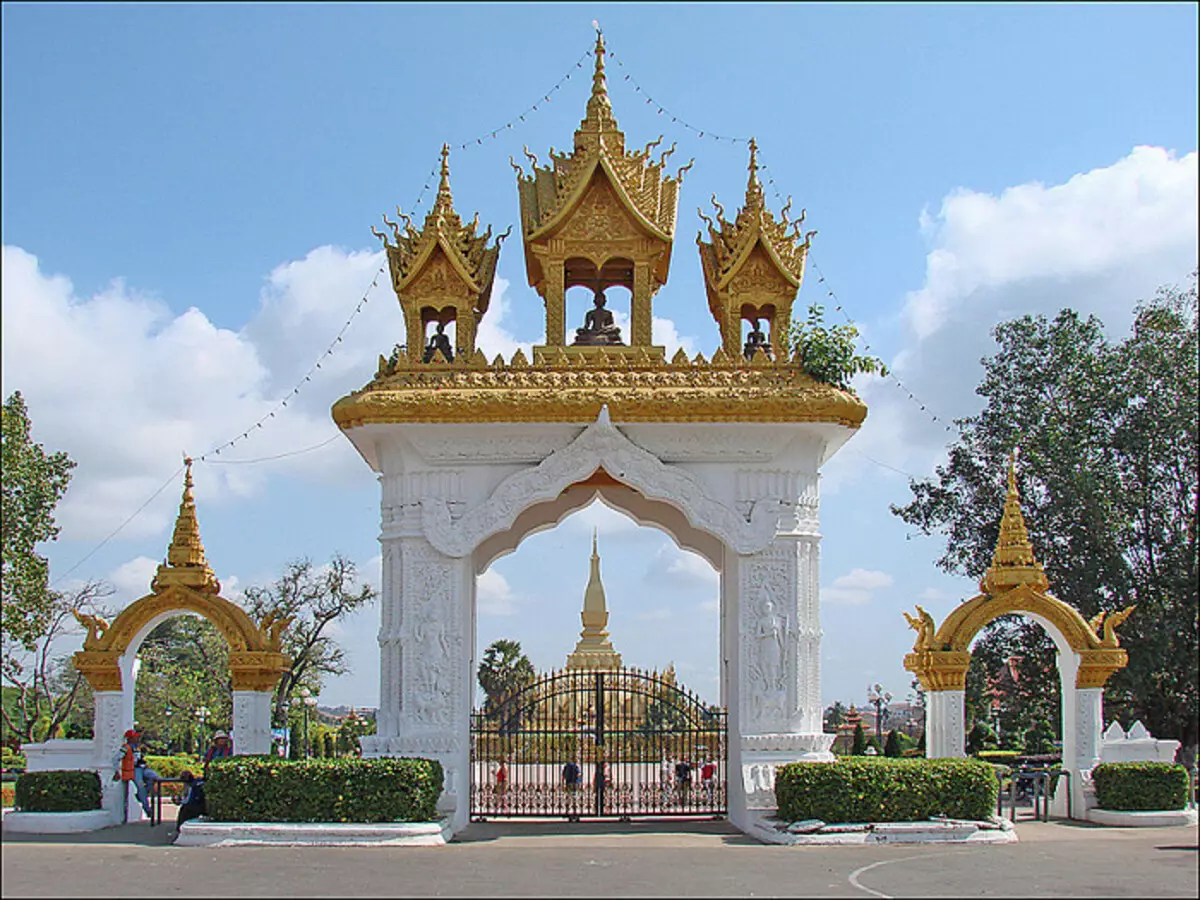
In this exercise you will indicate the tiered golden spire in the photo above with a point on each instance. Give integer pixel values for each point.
(599, 116)
(443, 271)
(1013, 562)
(185, 565)
(753, 266)
(594, 650)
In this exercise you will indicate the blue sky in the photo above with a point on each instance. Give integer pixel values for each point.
(188, 192)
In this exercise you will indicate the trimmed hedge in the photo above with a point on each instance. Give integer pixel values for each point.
(58, 790)
(1140, 786)
(269, 789)
(855, 789)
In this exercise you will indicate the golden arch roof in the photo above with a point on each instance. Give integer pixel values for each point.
(1014, 583)
(186, 584)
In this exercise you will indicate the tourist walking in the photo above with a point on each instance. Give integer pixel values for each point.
(571, 776)
(683, 778)
(502, 777)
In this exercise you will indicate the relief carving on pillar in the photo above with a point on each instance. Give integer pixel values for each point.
(768, 636)
(433, 641)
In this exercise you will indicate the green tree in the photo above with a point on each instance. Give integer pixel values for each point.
(828, 352)
(43, 692)
(185, 666)
(315, 598)
(859, 747)
(980, 737)
(891, 746)
(503, 671)
(32, 484)
(1108, 477)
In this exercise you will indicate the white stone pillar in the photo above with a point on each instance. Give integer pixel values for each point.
(944, 727)
(252, 722)
(108, 733)
(425, 658)
(1087, 713)
(774, 666)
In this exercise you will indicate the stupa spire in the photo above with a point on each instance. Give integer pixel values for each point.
(594, 649)
(755, 200)
(185, 564)
(443, 204)
(1013, 562)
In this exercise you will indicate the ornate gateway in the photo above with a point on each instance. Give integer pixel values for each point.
(585, 744)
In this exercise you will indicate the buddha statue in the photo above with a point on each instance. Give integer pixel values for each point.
(756, 341)
(598, 327)
(438, 341)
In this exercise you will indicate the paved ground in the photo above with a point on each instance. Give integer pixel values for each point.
(692, 859)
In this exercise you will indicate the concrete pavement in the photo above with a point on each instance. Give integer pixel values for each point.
(691, 859)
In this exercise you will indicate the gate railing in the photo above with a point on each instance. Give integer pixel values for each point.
(583, 744)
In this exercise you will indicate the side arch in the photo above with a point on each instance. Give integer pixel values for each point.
(961, 626)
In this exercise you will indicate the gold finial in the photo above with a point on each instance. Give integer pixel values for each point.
(185, 564)
(1013, 563)
(754, 190)
(444, 202)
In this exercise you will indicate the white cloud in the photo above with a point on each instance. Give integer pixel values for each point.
(1097, 243)
(493, 595)
(678, 568)
(493, 337)
(856, 588)
(654, 615)
(131, 580)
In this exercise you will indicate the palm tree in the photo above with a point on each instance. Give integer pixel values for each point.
(835, 715)
(502, 673)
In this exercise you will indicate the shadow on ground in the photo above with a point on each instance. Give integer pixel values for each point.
(136, 833)
(496, 829)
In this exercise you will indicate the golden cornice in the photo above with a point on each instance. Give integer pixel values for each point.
(939, 670)
(574, 389)
(1013, 562)
(1097, 666)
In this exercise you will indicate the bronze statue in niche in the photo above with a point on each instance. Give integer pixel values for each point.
(438, 341)
(598, 328)
(756, 341)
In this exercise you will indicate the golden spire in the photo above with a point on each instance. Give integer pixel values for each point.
(598, 103)
(185, 564)
(594, 650)
(443, 205)
(1013, 563)
(755, 201)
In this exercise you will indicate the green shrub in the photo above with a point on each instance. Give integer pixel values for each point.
(891, 747)
(886, 790)
(10, 759)
(263, 789)
(859, 747)
(1132, 786)
(58, 791)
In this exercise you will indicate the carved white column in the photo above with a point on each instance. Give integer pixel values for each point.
(252, 722)
(108, 731)
(944, 713)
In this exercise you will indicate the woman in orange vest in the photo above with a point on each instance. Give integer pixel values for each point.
(133, 768)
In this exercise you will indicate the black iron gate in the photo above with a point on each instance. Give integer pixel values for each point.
(593, 744)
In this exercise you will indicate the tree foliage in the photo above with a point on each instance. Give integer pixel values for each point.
(315, 598)
(859, 747)
(1107, 433)
(828, 352)
(33, 482)
(503, 671)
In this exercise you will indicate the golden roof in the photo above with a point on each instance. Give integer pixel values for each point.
(550, 195)
(1013, 562)
(466, 249)
(185, 564)
(731, 243)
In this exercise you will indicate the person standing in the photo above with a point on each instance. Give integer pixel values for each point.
(222, 746)
(502, 777)
(131, 766)
(571, 776)
(708, 775)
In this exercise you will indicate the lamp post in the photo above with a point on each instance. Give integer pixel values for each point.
(305, 701)
(168, 712)
(879, 698)
(202, 717)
